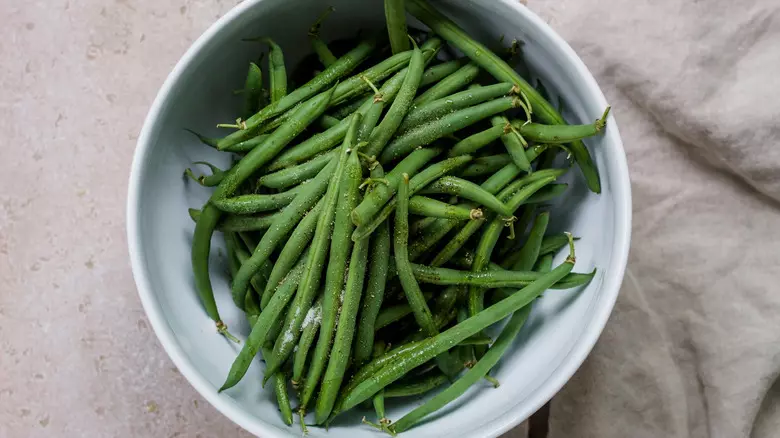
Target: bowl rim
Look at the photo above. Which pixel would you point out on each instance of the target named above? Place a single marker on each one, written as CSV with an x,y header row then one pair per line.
x,y
571,361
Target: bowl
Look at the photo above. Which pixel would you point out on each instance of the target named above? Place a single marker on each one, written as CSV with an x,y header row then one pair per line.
x,y
197,94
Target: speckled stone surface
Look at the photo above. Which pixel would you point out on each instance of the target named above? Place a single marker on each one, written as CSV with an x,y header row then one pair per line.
x,y
77,355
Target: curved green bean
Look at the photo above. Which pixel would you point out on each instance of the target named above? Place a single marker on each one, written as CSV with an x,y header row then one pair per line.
x,y
560,133
295,175
429,207
395,16
212,180
309,330
455,186
514,143
450,84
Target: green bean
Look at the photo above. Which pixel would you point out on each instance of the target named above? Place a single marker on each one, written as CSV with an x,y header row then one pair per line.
x,y
457,242
348,108
382,193
466,189
239,223
284,223
391,314
430,348
477,339
417,387
418,227
472,376
401,104
379,407
324,54
395,15
438,72
485,165
310,282
548,193
425,113
422,179
490,279
342,343
317,143
529,253
375,289
513,143
426,134
341,67
249,204
326,122
550,244
476,141
212,180
277,76
309,330
452,83
208,141
422,314
295,175
424,206
494,65
544,264
334,291
262,327
282,398
260,279
291,251
560,133
205,225
247,145
375,365
253,88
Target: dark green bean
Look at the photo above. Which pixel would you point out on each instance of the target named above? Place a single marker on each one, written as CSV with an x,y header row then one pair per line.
x,y
401,104
548,193
249,204
497,67
530,251
452,83
239,223
426,134
375,289
282,398
476,141
395,16
291,251
295,175
212,180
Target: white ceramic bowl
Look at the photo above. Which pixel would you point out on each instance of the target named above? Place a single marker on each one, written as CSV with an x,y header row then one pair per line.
x,y
197,94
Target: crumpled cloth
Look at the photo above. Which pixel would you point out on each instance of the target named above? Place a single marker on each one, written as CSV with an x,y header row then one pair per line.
x,y
692,348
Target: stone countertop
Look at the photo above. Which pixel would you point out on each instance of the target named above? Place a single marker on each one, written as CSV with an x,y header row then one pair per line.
x,y
78,357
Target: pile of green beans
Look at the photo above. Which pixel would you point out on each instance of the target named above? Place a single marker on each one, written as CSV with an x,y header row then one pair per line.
x,y
376,223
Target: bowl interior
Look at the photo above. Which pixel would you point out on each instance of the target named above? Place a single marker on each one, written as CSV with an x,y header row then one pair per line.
x,y
198,94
